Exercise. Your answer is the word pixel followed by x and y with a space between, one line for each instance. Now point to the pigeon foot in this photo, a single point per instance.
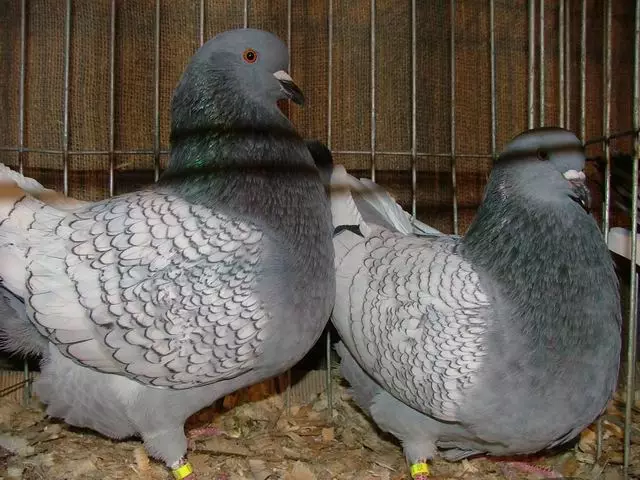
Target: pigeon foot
pixel 508 468
pixel 196 433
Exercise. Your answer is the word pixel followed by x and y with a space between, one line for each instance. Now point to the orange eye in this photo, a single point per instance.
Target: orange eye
pixel 250 55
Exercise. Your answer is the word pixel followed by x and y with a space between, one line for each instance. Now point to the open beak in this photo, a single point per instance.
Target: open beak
pixel 289 88
pixel 580 192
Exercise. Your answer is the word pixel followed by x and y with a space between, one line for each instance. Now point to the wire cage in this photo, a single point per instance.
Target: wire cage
pixel 420 96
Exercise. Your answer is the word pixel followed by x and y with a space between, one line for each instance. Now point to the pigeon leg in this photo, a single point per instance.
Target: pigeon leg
pixel 170 445
pixel 418 453
pixel 420 469
pixel 182 470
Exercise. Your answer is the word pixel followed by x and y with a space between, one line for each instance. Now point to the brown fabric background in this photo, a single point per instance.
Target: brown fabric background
pixel 134 92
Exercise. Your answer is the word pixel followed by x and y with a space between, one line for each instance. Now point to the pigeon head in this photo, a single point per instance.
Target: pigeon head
pixel 237 76
pixel 544 163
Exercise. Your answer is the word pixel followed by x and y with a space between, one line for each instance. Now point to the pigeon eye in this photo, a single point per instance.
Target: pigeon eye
pixel 250 55
pixel 543 155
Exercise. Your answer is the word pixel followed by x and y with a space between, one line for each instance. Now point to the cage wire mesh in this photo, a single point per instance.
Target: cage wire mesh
pixel 419 96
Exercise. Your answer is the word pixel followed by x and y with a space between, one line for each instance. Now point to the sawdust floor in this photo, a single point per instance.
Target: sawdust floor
pixel 261 441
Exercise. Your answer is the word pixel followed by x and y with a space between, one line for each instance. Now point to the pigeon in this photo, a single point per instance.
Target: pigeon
pixel 156 303
pixel 505 341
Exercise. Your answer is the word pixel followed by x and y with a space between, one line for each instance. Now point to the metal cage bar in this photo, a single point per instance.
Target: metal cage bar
pixel 633 290
pixel 583 71
pixel 532 63
pixel 156 95
pixel 542 97
pixel 65 99
pixel 45 151
pixel 492 53
pixel 288 374
pixel 26 393
pixel 454 180
pixel 561 64
pixel 21 87
pixel 245 14
pixel 329 132
pixel 414 111
pixel 329 71
pixel 112 98
pixel 567 57
pixel 21 146
pixel 373 89
pixel 201 18
pixel 606 116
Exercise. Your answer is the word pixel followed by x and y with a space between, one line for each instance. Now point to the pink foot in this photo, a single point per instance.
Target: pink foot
pixel 210 431
pixel 204 432
pixel 540 470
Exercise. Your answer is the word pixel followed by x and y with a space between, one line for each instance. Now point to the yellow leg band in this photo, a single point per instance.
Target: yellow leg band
pixel 419 469
pixel 183 471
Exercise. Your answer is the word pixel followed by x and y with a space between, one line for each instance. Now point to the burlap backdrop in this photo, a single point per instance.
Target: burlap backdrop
pixel 134 92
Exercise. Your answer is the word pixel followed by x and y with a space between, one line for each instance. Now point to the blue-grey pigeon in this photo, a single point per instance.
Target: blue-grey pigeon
pixel 154 304
pixel 503 341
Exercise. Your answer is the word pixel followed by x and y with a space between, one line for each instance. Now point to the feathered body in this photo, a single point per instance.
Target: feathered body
pixel 504 341
pixel 158 302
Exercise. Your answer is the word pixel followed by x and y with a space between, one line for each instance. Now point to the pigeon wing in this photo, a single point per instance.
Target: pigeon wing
pixel 149 286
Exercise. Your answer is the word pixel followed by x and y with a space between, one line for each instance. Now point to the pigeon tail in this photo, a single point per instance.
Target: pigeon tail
pixel 364 201
pixel 343 207
pixel 378 206
pixel 11 178
pixel 13 183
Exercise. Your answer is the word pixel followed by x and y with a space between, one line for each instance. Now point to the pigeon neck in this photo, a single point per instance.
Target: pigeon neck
pixel 261 171
pixel 222 139
pixel 540 259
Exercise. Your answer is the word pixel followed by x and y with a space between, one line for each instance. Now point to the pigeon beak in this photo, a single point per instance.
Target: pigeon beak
pixel 580 192
pixel 289 88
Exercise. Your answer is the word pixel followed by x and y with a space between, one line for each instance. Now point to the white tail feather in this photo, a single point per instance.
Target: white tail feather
pixel 12 182
pixel 386 206
pixel 345 187
pixel 29 185
pixel 343 209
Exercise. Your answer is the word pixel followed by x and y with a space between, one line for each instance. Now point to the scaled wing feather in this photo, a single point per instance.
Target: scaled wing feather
pixel 414 317
pixel 149 286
